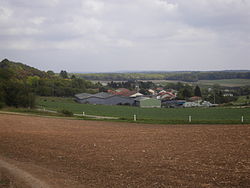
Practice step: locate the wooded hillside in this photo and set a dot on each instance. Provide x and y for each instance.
(21, 71)
(19, 84)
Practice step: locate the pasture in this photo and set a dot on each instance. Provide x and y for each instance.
(225, 82)
(210, 83)
(201, 83)
(151, 115)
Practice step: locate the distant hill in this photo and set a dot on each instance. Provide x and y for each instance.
(188, 76)
(21, 70)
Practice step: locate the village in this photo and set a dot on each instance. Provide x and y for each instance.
(155, 99)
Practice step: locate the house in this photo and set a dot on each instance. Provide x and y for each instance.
(206, 104)
(159, 89)
(173, 91)
(228, 95)
(161, 92)
(152, 92)
(122, 91)
(167, 96)
(103, 98)
(146, 102)
(136, 95)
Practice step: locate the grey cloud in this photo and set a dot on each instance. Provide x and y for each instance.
(216, 13)
(122, 34)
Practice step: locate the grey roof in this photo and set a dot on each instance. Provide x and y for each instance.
(142, 98)
(102, 95)
(82, 95)
(98, 95)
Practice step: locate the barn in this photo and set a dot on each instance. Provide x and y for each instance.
(145, 102)
(103, 98)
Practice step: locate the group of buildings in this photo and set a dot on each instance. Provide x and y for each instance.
(120, 96)
(156, 99)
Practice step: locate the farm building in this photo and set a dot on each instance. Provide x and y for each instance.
(136, 95)
(173, 103)
(191, 104)
(206, 104)
(103, 98)
(166, 96)
(146, 102)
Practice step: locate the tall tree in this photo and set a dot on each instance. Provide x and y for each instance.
(50, 73)
(186, 93)
(197, 91)
(63, 74)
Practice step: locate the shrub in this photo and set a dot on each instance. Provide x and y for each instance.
(1, 105)
(66, 112)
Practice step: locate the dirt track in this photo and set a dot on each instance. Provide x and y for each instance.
(72, 153)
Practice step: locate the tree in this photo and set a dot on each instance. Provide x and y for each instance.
(18, 94)
(63, 74)
(197, 91)
(50, 73)
(186, 93)
(144, 91)
(1, 96)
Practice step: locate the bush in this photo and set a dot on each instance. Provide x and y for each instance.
(66, 112)
(1, 105)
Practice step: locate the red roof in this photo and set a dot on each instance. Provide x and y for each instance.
(195, 98)
(164, 93)
(122, 91)
(159, 88)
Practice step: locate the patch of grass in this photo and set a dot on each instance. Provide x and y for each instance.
(225, 82)
(242, 100)
(30, 111)
(66, 112)
(1, 105)
(209, 83)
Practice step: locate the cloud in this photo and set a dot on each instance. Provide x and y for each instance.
(136, 30)
(216, 13)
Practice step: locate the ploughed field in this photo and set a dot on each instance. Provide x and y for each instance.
(77, 153)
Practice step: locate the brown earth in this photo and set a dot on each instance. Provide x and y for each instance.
(75, 153)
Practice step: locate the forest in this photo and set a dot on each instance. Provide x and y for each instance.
(19, 84)
(192, 76)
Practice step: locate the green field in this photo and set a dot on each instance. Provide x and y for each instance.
(242, 100)
(207, 83)
(151, 115)
(225, 82)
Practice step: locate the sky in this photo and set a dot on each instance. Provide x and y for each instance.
(126, 35)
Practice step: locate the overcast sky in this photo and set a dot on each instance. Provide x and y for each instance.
(120, 35)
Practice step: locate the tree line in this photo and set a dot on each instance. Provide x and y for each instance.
(181, 76)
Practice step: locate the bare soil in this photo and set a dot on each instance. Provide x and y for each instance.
(75, 153)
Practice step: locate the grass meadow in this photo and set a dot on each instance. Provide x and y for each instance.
(223, 115)
(209, 83)
(225, 82)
